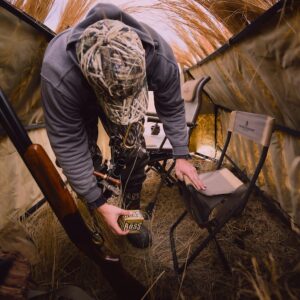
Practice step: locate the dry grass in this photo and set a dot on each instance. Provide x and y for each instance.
(18, 3)
(73, 12)
(203, 25)
(184, 57)
(200, 31)
(247, 242)
(268, 282)
(236, 14)
(206, 24)
(37, 9)
(257, 281)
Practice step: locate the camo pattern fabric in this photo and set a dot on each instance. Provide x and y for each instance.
(112, 59)
(14, 276)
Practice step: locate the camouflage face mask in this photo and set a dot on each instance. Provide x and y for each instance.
(112, 59)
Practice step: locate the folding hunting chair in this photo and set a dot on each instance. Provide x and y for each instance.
(226, 195)
(157, 144)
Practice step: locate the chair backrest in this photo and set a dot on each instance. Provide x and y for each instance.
(191, 93)
(256, 127)
(151, 111)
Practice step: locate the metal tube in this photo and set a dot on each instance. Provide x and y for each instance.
(13, 126)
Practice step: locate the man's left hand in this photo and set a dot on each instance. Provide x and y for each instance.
(184, 168)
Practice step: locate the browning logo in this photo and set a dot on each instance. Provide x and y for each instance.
(246, 128)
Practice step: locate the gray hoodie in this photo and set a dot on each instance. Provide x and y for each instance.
(68, 100)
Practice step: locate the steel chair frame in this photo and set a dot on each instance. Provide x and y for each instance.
(215, 225)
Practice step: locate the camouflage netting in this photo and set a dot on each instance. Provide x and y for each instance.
(21, 52)
(261, 74)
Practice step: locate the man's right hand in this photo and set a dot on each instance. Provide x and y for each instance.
(111, 213)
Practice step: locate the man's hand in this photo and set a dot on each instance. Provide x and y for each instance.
(111, 213)
(184, 168)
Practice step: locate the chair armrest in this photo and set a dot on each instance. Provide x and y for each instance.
(151, 114)
(154, 119)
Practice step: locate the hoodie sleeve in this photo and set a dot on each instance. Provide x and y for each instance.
(170, 106)
(164, 80)
(68, 138)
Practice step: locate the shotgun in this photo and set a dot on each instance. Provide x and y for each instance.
(110, 179)
(64, 207)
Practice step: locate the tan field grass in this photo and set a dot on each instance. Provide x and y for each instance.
(73, 12)
(236, 14)
(37, 9)
(261, 250)
(204, 25)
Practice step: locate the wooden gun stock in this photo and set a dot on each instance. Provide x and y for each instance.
(63, 205)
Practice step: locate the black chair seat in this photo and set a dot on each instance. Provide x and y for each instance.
(201, 206)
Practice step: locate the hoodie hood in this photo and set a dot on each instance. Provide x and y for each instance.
(109, 11)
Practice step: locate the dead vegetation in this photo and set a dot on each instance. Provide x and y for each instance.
(37, 9)
(73, 12)
(202, 25)
(264, 255)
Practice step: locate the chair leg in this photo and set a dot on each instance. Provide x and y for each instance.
(211, 236)
(160, 168)
(168, 177)
(197, 251)
(165, 177)
(172, 241)
(151, 205)
(166, 173)
(221, 253)
(203, 156)
(222, 256)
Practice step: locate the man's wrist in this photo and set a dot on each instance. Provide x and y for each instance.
(95, 204)
(182, 156)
